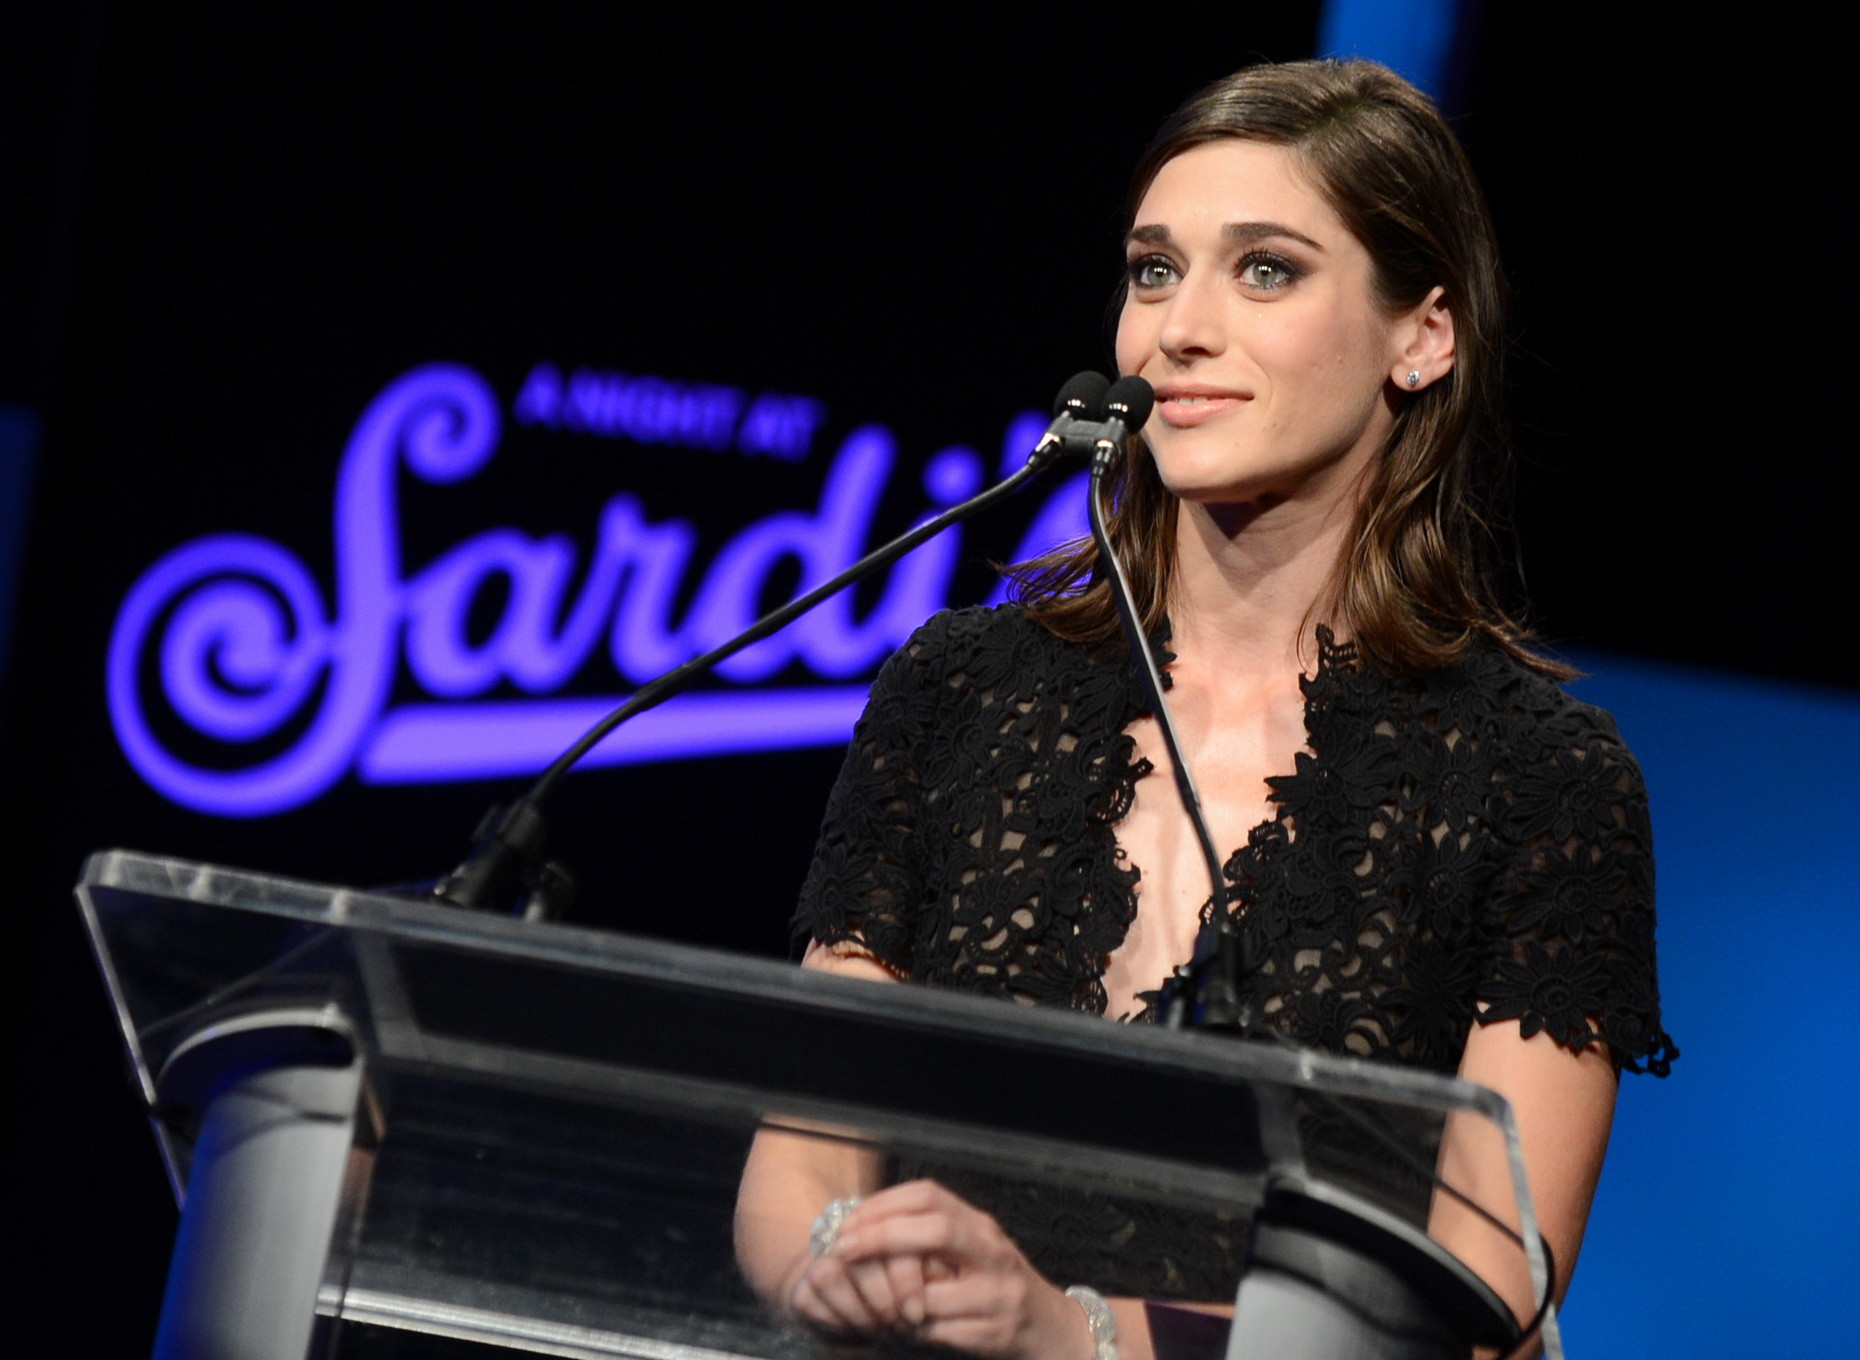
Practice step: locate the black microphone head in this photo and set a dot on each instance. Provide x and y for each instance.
(1131, 399)
(1082, 397)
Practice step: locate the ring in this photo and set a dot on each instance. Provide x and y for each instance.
(825, 1233)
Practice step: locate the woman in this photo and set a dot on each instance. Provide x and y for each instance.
(1442, 859)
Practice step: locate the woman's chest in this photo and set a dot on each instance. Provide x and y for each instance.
(1067, 872)
(1234, 748)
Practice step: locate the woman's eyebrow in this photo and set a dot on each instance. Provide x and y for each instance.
(1245, 233)
(1238, 233)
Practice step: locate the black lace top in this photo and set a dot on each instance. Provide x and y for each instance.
(1471, 844)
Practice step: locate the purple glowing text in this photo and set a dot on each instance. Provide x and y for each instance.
(231, 637)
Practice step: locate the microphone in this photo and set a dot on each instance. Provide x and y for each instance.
(1127, 407)
(1094, 416)
(1083, 396)
(1078, 411)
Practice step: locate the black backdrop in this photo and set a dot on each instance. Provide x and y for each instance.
(234, 228)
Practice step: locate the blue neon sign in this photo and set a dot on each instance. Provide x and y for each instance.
(244, 644)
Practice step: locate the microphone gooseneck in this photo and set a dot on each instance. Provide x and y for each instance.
(507, 848)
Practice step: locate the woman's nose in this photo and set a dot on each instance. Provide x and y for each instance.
(1193, 326)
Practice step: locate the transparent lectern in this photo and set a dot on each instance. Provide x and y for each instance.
(399, 1129)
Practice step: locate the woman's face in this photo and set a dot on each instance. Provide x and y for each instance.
(1251, 310)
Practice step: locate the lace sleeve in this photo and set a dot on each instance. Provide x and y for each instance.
(1572, 946)
(864, 885)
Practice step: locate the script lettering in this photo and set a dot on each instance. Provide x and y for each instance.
(236, 636)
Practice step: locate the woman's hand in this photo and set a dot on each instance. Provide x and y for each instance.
(916, 1259)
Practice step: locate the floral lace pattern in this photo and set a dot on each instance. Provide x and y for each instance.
(1472, 844)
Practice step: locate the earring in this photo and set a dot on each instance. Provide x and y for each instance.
(1414, 377)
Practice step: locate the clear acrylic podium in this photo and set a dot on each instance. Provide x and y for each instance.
(399, 1129)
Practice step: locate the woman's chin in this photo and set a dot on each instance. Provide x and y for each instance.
(1315, 482)
(1213, 474)
(1218, 491)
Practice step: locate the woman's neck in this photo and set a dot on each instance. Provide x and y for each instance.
(1251, 580)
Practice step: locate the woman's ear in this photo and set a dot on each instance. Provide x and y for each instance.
(1424, 340)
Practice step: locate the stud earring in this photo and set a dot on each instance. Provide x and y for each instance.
(1414, 377)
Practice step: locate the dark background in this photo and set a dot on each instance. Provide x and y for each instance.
(227, 230)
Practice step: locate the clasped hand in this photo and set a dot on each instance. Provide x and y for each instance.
(915, 1259)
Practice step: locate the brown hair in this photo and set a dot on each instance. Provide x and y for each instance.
(1415, 584)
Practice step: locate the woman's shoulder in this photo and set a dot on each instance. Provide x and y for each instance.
(1500, 697)
(1491, 717)
(985, 644)
(1561, 762)
(1490, 695)
(976, 625)
(964, 667)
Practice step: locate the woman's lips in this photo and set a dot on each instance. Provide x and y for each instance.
(1186, 410)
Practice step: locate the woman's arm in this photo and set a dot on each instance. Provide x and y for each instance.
(790, 1177)
(1568, 997)
(1564, 1102)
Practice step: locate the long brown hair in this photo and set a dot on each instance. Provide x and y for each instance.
(1415, 586)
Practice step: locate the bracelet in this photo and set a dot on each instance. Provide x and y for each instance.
(1098, 1317)
(825, 1233)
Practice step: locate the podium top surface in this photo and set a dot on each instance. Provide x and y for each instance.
(128, 877)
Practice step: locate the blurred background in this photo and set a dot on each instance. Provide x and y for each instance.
(713, 304)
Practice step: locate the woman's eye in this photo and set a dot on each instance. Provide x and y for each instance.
(1267, 272)
(1151, 272)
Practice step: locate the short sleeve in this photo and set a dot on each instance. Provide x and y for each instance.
(864, 885)
(1572, 952)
